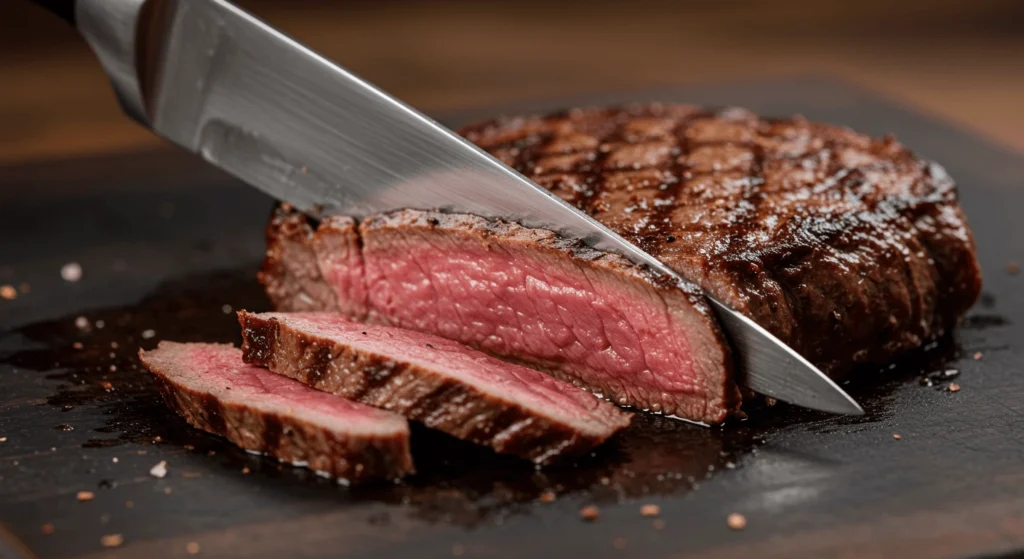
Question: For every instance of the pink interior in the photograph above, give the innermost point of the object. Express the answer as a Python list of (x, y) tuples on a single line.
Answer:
[(522, 304), (448, 358), (219, 369)]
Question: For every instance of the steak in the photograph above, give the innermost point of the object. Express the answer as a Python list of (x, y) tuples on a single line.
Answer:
[(213, 389), (439, 382), (850, 249), (522, 294)]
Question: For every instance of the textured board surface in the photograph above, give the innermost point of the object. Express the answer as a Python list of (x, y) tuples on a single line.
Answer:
[(169, 245)]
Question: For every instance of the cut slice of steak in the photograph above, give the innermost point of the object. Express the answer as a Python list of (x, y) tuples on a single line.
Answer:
[(522, 294), (439, 382), (213, 389)]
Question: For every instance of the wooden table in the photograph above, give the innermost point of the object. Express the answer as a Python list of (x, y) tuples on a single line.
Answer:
[(961, 61)]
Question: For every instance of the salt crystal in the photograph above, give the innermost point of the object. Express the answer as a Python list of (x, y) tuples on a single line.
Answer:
[(160, 470), (71, 271)]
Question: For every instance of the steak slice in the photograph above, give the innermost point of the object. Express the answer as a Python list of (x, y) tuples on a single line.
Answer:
[(522, 294), (213, 389), (850, 249), (442, 383)]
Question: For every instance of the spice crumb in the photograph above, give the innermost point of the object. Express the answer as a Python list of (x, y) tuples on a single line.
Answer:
[(590, 512), (978, 355), (8, 292), (954, 387), (737, 521), (112, 540), (650, 510), (547, 497), (86, 496), (897, 436), (48, 529), (192, 548), (160, 470), (71, 271), (619, 543), (658, 524), (1013, 268)]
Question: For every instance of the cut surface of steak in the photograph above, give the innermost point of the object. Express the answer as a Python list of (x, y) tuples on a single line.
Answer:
[(522, 294), (850, 249), (213, 389), (439, 382)]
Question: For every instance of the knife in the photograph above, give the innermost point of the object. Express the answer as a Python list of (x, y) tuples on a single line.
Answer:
[(219, 82)]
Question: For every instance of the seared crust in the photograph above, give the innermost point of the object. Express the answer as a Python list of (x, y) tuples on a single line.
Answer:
[(850, 249), (423, 394), (282, 435)]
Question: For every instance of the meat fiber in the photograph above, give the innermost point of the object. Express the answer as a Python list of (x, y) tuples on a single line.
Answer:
[(587, 317), (441, 383), (213, 389)]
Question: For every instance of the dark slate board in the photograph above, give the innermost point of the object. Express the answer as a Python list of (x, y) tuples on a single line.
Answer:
[(168, 244)]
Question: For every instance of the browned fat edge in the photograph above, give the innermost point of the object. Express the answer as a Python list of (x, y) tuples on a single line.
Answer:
[(259, 339), (411, 391)]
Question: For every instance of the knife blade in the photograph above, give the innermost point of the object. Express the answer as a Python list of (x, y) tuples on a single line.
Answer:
[(219, 82)]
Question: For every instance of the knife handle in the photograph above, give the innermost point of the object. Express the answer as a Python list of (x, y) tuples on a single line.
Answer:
[(64, 9)]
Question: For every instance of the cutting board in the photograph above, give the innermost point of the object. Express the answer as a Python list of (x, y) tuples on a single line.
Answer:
[(168, 249)]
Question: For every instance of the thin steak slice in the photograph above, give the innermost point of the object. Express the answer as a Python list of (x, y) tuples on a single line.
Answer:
[(213, 389), (441, 383), (522, 294)]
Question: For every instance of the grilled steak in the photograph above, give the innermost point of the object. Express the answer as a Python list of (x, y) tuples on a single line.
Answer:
[(523, 294), (442, 383), (849, 249), (213, 389)]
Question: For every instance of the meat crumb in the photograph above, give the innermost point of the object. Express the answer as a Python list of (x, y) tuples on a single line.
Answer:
[(226, 309), (71, 271), (978, 355), (25, 288), (160, 470), (168, 491), (590, 513), (619, 543), (3, 439), (547, 497), (112, 540), (77, 345), (736, 521), (107, 386), (1013, 268), (897, 436), (86, 496), (114, 459), (8, 292), (650, 510), (246, 471), (658, 524), (48, 529), (192, 548), (82, 323), (458, 550), (148, 333), (954, 387), (129, 505)]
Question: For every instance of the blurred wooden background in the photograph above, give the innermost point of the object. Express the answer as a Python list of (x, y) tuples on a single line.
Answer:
[(960, 59)]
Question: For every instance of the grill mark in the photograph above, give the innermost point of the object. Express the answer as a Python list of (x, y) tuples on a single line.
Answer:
[(272, 429), (259, 340), (213, 413)]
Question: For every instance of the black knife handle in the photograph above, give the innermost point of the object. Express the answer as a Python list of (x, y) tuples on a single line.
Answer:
[(65, 9)]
